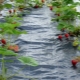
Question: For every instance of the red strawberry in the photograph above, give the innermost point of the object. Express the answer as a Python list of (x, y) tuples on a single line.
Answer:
[(66, 35), (3, 41), (10, 11), (60, 37), (42, 1), (51, 8), (58, 14), (74, 62), (36, 6)]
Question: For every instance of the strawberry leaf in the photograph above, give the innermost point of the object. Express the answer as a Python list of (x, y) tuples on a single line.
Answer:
[(8, 6), (20, 1), (5, 52), (28, 61), (1, 7)]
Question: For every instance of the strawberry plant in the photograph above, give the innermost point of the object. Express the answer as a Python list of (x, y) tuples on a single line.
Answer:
[(23, 59), (8, 6), (8, 30), (4, 5), (66, 2), (15, 20), (67, 12), (56, 3), (22, 4), (36, 3)]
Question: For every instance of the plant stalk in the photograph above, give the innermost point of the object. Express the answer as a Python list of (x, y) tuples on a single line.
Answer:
[(3, 68)]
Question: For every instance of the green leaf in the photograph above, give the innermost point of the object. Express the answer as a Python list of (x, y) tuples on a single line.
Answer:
[(8, 6), (8, 32), (17, 24), (20, 1), (13, 19), (5, 52), (23, 32), (8, 26), (1, 25), (56, 3), (28, 61), (68, 1), (1, 7), (18, 32), (62, 25)]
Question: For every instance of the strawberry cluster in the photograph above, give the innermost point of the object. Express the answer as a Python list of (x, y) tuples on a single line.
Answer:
[(66, 35), (65, 15)]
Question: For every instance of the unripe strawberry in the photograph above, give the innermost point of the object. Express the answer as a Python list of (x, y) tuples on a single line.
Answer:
[(3, 41), (42, 1), (74, 62), (10, 47), (16, 48), (75, 43)]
